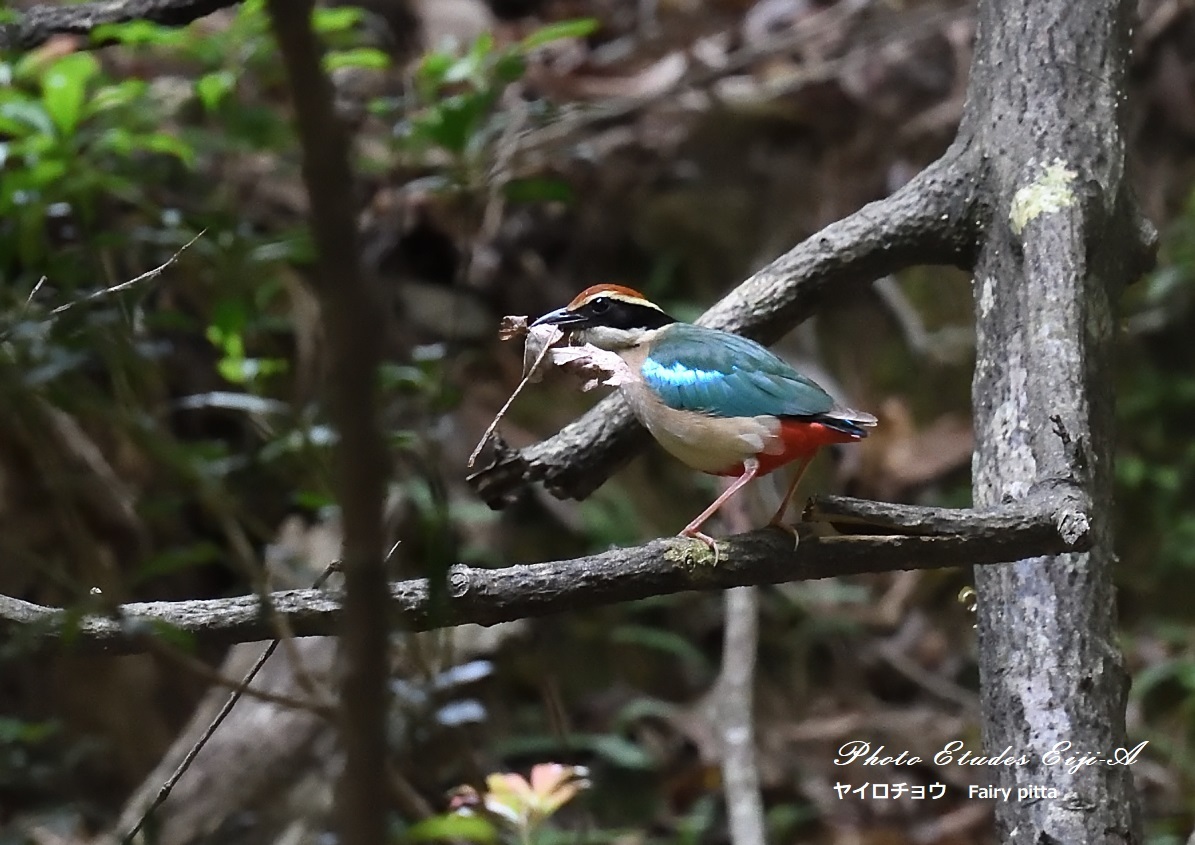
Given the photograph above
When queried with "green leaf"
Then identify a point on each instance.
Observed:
(161, 142)
(329, 21)
(13, 731)
(452, 826)
(138, 33)
(314, 499)
(538, 189)
(212, 88)
(362, 57)
(579, 28)
(115, 96)
(17, 117)
(430, 74)
(621, 752)
(64, 89)
(452, 122)
(509, 67)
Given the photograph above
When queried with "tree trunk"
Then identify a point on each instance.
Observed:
(1061, 241)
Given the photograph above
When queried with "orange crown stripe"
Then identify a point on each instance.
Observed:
(617, 290)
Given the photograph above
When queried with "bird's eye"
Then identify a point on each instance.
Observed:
(600, 305)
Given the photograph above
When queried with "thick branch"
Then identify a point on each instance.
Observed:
(673, 565)
(40, 23)
(925, 222)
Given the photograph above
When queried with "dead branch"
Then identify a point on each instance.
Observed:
(40, 23)
(1041, 525)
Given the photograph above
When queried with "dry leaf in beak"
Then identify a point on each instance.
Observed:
(598, 366)
(539, 342)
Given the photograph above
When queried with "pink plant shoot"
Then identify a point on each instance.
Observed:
(521, 805)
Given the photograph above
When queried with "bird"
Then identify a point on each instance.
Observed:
(721, 403)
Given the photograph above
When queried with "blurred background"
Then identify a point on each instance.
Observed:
(164, 439)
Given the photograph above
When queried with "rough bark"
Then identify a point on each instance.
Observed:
(1060, 242)
(1050, 520)
(40, 23)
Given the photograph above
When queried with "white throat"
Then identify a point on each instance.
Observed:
(615, 340)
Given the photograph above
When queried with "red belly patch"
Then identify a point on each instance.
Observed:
(800, 439)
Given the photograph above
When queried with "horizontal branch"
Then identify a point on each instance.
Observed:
(40, 23)
(1052, 521)
(925, 222)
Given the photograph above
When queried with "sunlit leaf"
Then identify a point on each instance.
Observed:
(452, 826)
(161, 142)
(64, 89)
(430, 74)
(212, 88)
(328, 21)
(579, 28)
(139, 33)
(17, 117)
(368, 58)
(115, 96)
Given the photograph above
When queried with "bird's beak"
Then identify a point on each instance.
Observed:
(560, 317)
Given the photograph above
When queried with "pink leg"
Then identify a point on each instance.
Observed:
(750, 468)
(792, 488)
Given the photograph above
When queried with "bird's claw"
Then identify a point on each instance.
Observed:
(705, 538)
(788, 529)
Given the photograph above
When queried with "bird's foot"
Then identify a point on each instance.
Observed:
(705, 538)
(788, 529)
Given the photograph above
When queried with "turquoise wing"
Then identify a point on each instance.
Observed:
(725, 375)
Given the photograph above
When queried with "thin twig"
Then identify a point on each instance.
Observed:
(33, 293)
(200, 669)
(527, 376)
(105, 292)
(211, 729)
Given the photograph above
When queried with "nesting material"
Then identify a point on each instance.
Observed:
(545, 347)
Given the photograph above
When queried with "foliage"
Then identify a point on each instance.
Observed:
(515, 804)
(452, 114)
(195, 391)
(74, 142)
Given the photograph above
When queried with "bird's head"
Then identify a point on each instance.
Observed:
(609, 316)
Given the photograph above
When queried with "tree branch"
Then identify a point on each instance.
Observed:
(672, 565)
(925, 222)
(40, 23)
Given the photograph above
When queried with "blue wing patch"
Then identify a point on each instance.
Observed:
(678, 375)
(713, 372)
